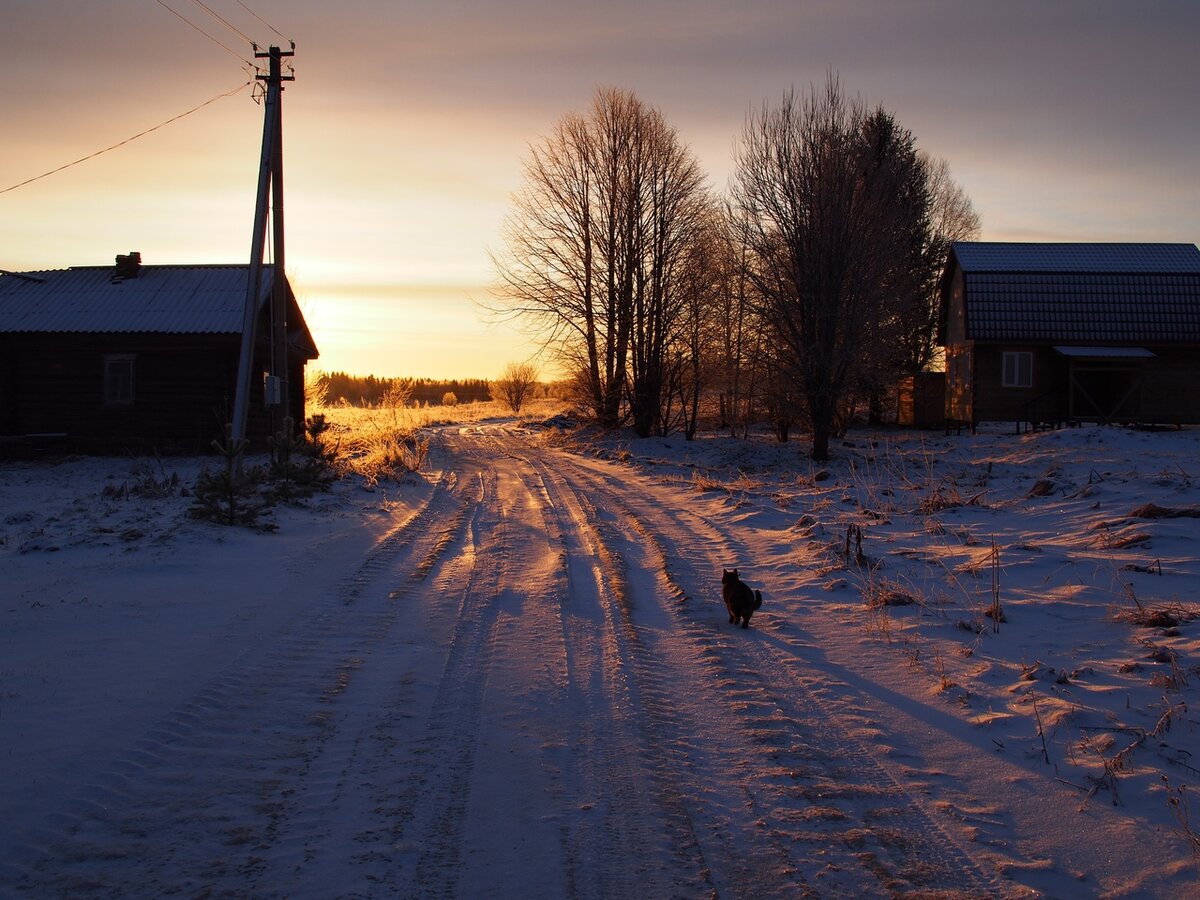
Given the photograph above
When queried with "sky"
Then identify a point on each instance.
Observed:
(406, 129)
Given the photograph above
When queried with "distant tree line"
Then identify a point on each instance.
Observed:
(802, 295)
(369, 390)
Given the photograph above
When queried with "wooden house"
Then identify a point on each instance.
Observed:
(137, 358)
(1056, 333)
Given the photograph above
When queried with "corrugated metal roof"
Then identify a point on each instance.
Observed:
(161, 300)
(995, 256)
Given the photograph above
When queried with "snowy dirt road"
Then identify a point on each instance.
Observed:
(527, 688)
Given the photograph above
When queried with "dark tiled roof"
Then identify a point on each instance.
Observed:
(985, 256)
(1132, 293)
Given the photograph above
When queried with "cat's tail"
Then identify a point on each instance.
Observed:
(757, 599)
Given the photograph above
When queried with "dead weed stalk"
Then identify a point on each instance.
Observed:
(1177, 803)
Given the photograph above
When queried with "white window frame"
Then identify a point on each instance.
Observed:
(119, 374)
(1016, 369)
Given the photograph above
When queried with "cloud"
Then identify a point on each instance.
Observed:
(406, 127)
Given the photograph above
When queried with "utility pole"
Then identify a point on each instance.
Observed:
(270, 182)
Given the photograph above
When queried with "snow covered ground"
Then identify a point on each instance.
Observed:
(513, 676)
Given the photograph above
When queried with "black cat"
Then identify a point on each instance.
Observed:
(739, 599)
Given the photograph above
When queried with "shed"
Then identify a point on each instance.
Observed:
(136, 358)
(1082, 332)
(921, 400)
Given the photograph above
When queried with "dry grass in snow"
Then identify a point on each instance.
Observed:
(1041, 589)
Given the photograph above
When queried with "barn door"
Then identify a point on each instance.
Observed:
(1106, 392)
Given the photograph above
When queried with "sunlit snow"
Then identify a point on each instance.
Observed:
(513, 676)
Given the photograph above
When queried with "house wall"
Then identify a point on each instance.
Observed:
(960, 405)
(1043, 401)
(1169, 392)
(956, 321)
(183, 390)
(958, 393)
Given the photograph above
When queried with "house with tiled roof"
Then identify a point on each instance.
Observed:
(138, 358)
(1055, 333)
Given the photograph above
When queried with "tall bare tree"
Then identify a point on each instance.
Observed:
(671, 275)
(696, 353)
(595, 246)
(735, 323)
(819, 182)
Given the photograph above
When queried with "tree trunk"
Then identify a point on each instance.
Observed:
(821, 435)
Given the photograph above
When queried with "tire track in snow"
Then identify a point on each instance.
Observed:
(445, 839)
(662, 758)
(341, 819)
(429, 831)
(744, 864)
(147, 825)
(894, 839)
(635, 849)
(336, 773)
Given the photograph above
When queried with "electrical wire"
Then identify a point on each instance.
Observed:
(230, 93)
(223, 21)
(260, 18)
(192, 24)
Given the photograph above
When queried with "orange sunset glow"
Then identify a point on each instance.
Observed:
(407, 125)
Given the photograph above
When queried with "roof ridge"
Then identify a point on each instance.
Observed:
(1077, 257)
(162, 266)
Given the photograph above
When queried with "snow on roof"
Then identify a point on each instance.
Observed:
(199, 299)
(997, 256)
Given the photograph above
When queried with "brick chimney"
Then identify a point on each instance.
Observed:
(128, 266)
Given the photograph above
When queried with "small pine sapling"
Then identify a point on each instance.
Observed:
(228, 496)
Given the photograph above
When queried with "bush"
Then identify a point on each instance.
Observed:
(517, 385)
(388, 455)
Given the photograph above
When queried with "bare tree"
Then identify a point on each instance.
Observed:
(596, 242)
(517, 385)
(697, 348)
(952, 215)
(733, 320)
(817, 181)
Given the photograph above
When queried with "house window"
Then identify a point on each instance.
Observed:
(118, 379)
(1018, 369)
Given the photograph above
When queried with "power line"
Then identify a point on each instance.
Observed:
(223, 21)
(260, 18)
(192, 24)
(210, 100)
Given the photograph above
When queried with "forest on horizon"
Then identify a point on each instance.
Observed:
(370, 390)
